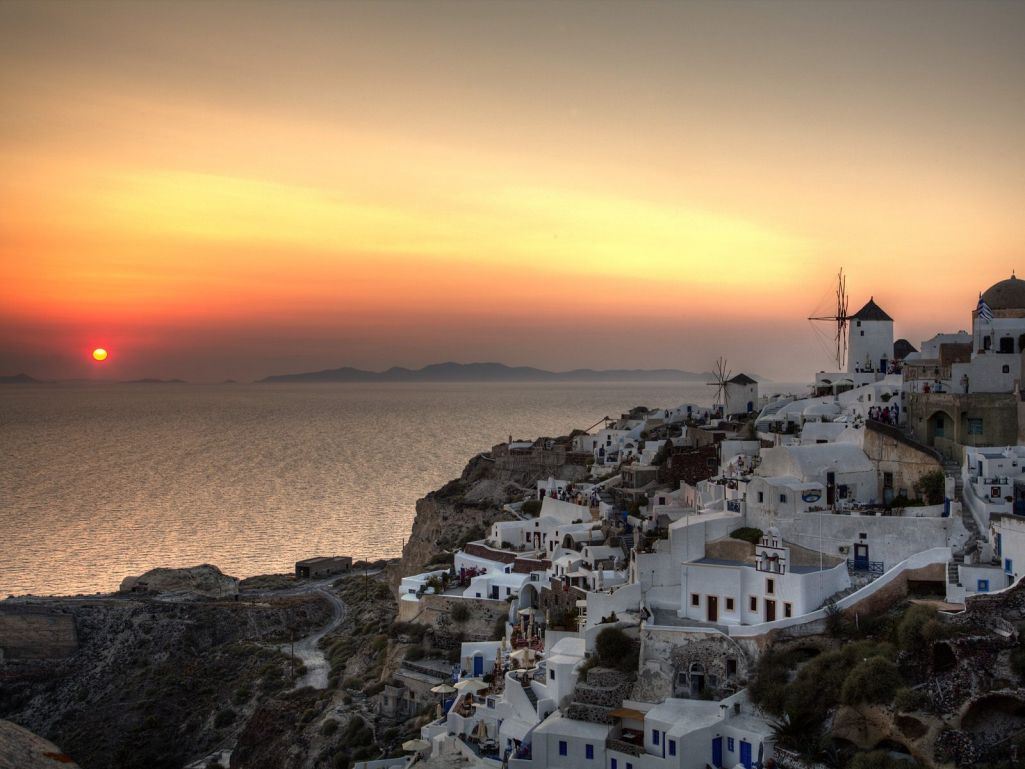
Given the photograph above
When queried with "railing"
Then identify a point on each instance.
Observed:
(424, 670)
(623, 747)
(872, 567)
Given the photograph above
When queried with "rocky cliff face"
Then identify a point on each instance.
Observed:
(21, 749)
(155, 683)
(204, 581)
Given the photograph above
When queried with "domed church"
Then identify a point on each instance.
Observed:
(974, 398)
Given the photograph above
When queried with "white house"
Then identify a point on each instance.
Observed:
(741, 395)
(870, 334)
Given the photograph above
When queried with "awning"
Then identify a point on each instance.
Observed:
(627, 713)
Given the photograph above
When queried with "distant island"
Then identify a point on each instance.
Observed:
(149, 380)
(488, 372)
(19, 379)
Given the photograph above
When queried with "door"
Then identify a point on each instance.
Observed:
(861, 557)
(745, 754)
(830, 488)
(478, 665)
(717, 752)
(713, 608)
(494, 592)
(770, 611)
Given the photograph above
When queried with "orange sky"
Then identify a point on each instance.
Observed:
(231, 190)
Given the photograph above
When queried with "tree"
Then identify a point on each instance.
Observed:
(932, 486)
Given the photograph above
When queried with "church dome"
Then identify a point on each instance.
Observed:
(1006, 295)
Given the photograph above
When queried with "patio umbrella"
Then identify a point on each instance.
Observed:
(523, 655)
(471, 685)
(480, 731)
(443, 689)
(525, 612)
(415, 746)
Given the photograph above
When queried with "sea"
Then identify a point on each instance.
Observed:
(101, 481)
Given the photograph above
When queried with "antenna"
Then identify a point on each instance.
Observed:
(840, 318)
(721, 375)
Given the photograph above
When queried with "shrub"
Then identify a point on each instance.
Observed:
(836, 622)
(880, 759)
(329, 727)
(414, 653)
(872, 681)
(532, 506)
(931, 486)
(748, 534)
(460, 613)
(224, 718)
(1018, 661)
(909, 700)
(917, 628)
(374, 687)
(616, 649)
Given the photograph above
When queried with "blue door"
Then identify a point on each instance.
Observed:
(861, 557)
(478, 665)
(745, 754)
(717, 752)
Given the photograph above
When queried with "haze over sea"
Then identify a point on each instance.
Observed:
(101, 481)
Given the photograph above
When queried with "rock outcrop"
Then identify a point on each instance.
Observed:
(204, 581)
(35, 633)
(21, 749)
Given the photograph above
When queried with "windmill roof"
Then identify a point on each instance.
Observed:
(742, 379)
(871, 311)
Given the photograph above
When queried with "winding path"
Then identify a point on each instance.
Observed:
(306, 649)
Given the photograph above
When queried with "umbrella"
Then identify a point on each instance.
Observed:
(471, 685)
(443, 689)
(522, 655)
(525, 612)
(415, 746)
(480, 731)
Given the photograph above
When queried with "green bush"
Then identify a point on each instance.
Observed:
(873, 681)
(616, 649)
(224, 718)
(748, 534)
(931, 486)
(329, 727)
(918, 628)
(414, 653)
(910, 700)
(532, 507)
(460, 613)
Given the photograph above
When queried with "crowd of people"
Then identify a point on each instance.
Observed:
(888, 415)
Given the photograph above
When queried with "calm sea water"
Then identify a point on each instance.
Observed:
(101, 481)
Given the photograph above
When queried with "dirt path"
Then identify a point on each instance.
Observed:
(306, 649)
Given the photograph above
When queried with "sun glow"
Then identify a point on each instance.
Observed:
(99, 354)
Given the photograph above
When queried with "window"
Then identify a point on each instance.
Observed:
(731, 666)
(770, 586)
(862, 333)
(613, 763)
(788, 610)
(1008, 566)
(695, 599)
(672, 747)
(1005, 369)
(729, 604)
(974, 425)
(754, 603)
(783, 498)
(563, 748)
(654, 736)
(761, 497)
(551, 675)
(589, 752)
(729, 744)
(982, 586)
(629, 765)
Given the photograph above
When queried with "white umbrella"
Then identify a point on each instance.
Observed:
(471, 685)
(443, 689)
(415, 746)
(522, 655)
(525, 612)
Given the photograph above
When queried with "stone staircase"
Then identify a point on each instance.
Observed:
(602, 692)
(953, 469)
(529, 691)
(952, 570)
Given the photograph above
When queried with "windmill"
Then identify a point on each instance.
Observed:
(840, 318)
(721, 375)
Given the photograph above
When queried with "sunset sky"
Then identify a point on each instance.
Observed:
(213, 190)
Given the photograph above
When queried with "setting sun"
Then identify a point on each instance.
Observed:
(99, 354)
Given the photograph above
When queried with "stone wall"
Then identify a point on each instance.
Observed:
(905, 460)
(36, 633)
(436, 610)
(682, 664)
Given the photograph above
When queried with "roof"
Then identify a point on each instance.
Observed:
(742, 379)
(871, 311)
(562, 726)
(1006, 295)
(627, 713)
(902, 348)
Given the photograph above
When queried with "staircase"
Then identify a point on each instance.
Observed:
(529, 691)
(952, 570)
(627, 540)
(953, 469)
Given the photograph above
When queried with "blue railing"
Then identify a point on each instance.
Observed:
(872, 567)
